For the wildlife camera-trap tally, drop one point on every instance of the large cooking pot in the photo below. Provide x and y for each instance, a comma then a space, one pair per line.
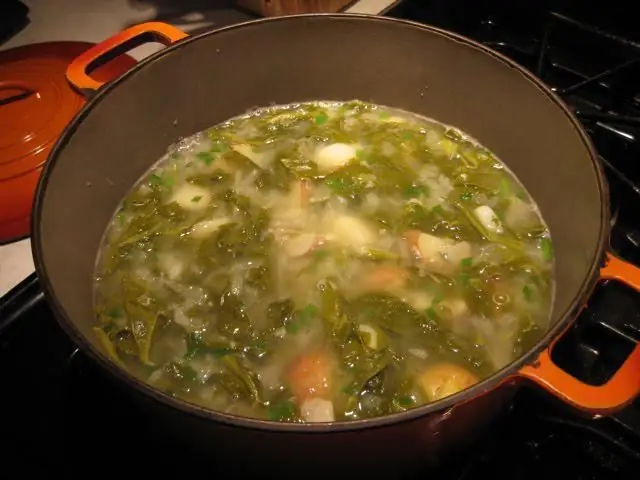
199, 81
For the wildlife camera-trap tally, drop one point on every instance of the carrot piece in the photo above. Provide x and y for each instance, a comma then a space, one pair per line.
311, 375
305, 192
386, 278
412, 238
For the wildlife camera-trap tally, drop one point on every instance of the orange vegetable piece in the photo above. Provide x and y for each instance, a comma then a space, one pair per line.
311, 375
386, 278
305, 192
412, 237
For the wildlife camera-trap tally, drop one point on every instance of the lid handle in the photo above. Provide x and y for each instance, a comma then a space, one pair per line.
24, 89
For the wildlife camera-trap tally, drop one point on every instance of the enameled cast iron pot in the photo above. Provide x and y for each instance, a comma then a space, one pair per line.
200, 81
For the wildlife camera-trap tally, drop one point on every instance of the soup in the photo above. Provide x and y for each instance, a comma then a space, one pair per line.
323, 262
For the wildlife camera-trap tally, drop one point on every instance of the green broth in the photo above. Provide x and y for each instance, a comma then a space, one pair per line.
323, 262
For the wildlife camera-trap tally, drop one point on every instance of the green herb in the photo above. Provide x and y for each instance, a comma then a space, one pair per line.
406, 135
218, 147
221, 351
321, 254
338, 185
466, 196
322, 118
282, 411
308, 312
438, 210
155, 179
197, 198
527, 292
431, 313
302, 319
206, 157
161, 180
413, 191
466, 262
505, 187
547, 248
384, 115
349, 389
115, 312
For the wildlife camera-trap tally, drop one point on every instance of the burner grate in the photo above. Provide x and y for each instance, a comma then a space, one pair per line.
597, 73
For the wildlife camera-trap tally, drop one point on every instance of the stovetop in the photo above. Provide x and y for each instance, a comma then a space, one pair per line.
60, 415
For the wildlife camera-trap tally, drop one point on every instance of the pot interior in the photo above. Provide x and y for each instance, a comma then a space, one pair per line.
210, 78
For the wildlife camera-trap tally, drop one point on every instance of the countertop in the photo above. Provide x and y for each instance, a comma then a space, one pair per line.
96, 20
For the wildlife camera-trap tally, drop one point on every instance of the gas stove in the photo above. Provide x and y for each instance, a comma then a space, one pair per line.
59, 414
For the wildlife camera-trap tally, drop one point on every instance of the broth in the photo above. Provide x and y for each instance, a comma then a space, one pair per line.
324, 261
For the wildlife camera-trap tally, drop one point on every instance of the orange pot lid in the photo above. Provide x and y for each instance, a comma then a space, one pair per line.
36, 104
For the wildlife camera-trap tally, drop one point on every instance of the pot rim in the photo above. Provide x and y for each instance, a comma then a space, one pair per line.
506, 374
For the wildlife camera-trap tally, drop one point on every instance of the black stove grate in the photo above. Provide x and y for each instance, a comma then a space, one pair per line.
60, 413
593, 63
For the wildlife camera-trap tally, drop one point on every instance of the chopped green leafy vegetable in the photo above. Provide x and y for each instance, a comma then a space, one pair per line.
283, 411
546, 248
322, 118
206, 157
320, 262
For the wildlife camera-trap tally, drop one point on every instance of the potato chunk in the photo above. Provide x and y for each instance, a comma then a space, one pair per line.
444, 379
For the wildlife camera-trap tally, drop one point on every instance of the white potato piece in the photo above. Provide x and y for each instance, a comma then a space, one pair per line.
520, 214
498, 337
351, 231
261, 160
441, 380
457, 252
419, 353
206, 228
420, 300
300, 244
181, 318
373, 340
454, 308
488, 218
395, 119
437, 254
456, 315
334, 156
171, 265
317, 410
431, 247
191, 197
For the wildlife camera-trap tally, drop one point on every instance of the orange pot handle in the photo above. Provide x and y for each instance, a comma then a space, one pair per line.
78, 70
623, 386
